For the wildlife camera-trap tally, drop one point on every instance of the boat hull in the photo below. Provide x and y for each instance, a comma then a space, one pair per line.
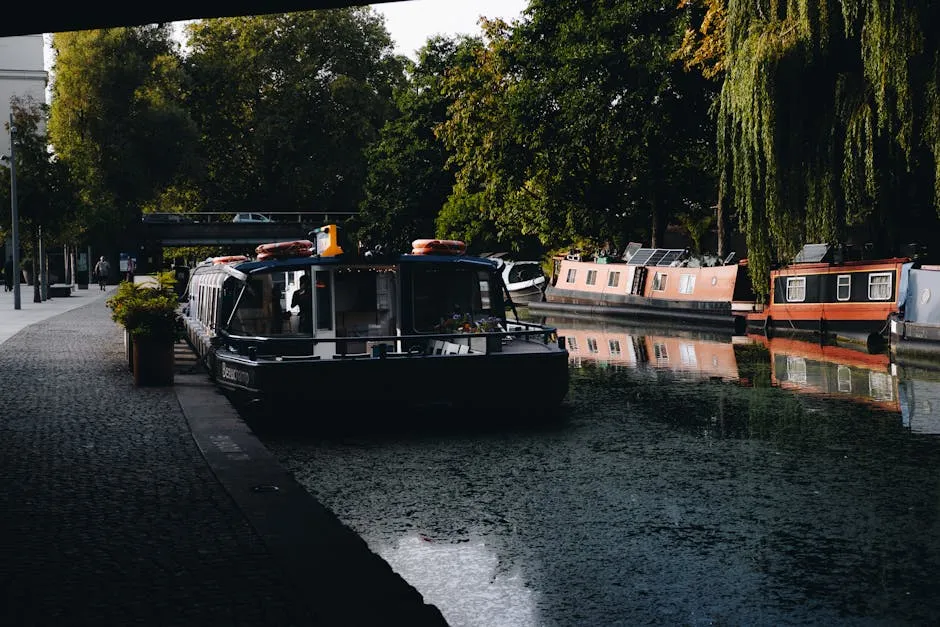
392, 382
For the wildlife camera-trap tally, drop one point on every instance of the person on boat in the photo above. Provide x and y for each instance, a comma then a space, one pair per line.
303, 299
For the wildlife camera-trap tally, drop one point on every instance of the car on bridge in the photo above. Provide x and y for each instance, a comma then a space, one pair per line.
251, 217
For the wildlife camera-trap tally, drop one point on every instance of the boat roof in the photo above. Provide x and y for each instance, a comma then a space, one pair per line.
297, 263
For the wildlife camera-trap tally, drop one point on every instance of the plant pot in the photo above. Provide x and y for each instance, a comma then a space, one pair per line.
153, 361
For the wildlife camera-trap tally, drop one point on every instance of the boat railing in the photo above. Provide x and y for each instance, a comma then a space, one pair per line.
412, 344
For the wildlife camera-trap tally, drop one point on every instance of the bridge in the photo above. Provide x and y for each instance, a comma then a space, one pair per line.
217, 229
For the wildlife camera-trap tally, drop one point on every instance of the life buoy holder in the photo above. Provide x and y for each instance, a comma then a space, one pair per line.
229, 259
276, 250
438, 247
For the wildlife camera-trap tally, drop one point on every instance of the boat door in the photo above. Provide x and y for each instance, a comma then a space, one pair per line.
324, 314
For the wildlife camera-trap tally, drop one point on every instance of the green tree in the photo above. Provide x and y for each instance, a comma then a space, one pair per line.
46, 198
408, 184
829, 122
117, 121
287, 104
578, 123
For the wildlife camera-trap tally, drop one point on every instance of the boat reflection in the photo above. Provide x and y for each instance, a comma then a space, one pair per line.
705, 355
832, 370
804, 367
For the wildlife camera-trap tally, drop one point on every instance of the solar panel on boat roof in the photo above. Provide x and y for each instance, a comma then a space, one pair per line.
655, 256
812, 253
669, 256
641, 256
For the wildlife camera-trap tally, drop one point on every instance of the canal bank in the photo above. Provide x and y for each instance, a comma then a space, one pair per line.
157, 506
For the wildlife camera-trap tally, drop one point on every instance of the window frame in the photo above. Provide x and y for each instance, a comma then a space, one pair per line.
848, 286
572, 275
613, 278
686, 283
659, 282
890, 284
794, 280
591, 277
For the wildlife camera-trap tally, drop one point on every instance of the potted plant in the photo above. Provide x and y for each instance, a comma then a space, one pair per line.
148, 313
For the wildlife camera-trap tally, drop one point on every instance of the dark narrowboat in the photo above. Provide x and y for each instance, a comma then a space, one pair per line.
822, 292
370, 333
914, 330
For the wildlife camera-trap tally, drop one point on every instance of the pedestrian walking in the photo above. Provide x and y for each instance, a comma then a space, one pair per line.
8, 275
102, 270
131, 266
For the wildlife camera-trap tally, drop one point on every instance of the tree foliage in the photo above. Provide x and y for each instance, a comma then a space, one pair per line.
117, 122
828, 126
407, 183
286, 105
576, 122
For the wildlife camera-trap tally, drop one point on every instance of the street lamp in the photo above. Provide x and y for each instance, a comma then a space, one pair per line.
16, 218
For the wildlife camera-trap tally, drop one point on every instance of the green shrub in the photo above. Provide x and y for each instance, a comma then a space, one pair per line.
147, 309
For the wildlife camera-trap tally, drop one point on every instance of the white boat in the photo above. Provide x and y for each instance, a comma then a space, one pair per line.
524, 280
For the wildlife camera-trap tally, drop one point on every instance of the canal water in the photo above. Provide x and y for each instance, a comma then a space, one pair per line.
693, 479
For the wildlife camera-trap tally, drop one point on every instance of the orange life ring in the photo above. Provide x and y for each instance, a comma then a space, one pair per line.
297, 248
303, 252
438, 247
229, 259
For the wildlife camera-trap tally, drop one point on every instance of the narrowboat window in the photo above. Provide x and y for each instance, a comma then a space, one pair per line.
686, 283
613, 279
592, 277
796, 289
255, 314
439, 293
844, 287
687, 354
572, 343
572, 274
324, 294
592, 344
659, 282
879, 286
524, 272
614, 346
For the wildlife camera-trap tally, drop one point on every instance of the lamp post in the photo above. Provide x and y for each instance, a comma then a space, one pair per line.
16, 218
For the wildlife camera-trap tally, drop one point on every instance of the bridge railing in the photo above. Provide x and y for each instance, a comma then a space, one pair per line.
302, 217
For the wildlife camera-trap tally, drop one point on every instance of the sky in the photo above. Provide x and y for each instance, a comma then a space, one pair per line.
411, 22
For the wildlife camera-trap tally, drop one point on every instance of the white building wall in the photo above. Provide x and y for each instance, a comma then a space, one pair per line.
22, 73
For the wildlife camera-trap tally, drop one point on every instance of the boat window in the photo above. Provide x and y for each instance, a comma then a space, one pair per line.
524, 272
324, 295
440, 293
572, 343
614, 346
879, 286
258, 312
613, 279
592, 344
687, 354
592, 277
572, 274
796, 289
844, 287
659, 282
686, 283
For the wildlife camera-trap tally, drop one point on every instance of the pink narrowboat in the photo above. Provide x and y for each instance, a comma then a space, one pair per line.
652, 283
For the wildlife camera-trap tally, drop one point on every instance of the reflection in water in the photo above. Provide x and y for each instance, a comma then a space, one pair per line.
705, 482
794, 364
464, 580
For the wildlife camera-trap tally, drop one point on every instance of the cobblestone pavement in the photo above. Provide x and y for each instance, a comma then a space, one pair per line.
115, 511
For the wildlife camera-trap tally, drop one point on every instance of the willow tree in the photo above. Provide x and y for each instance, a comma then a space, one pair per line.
828, 125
